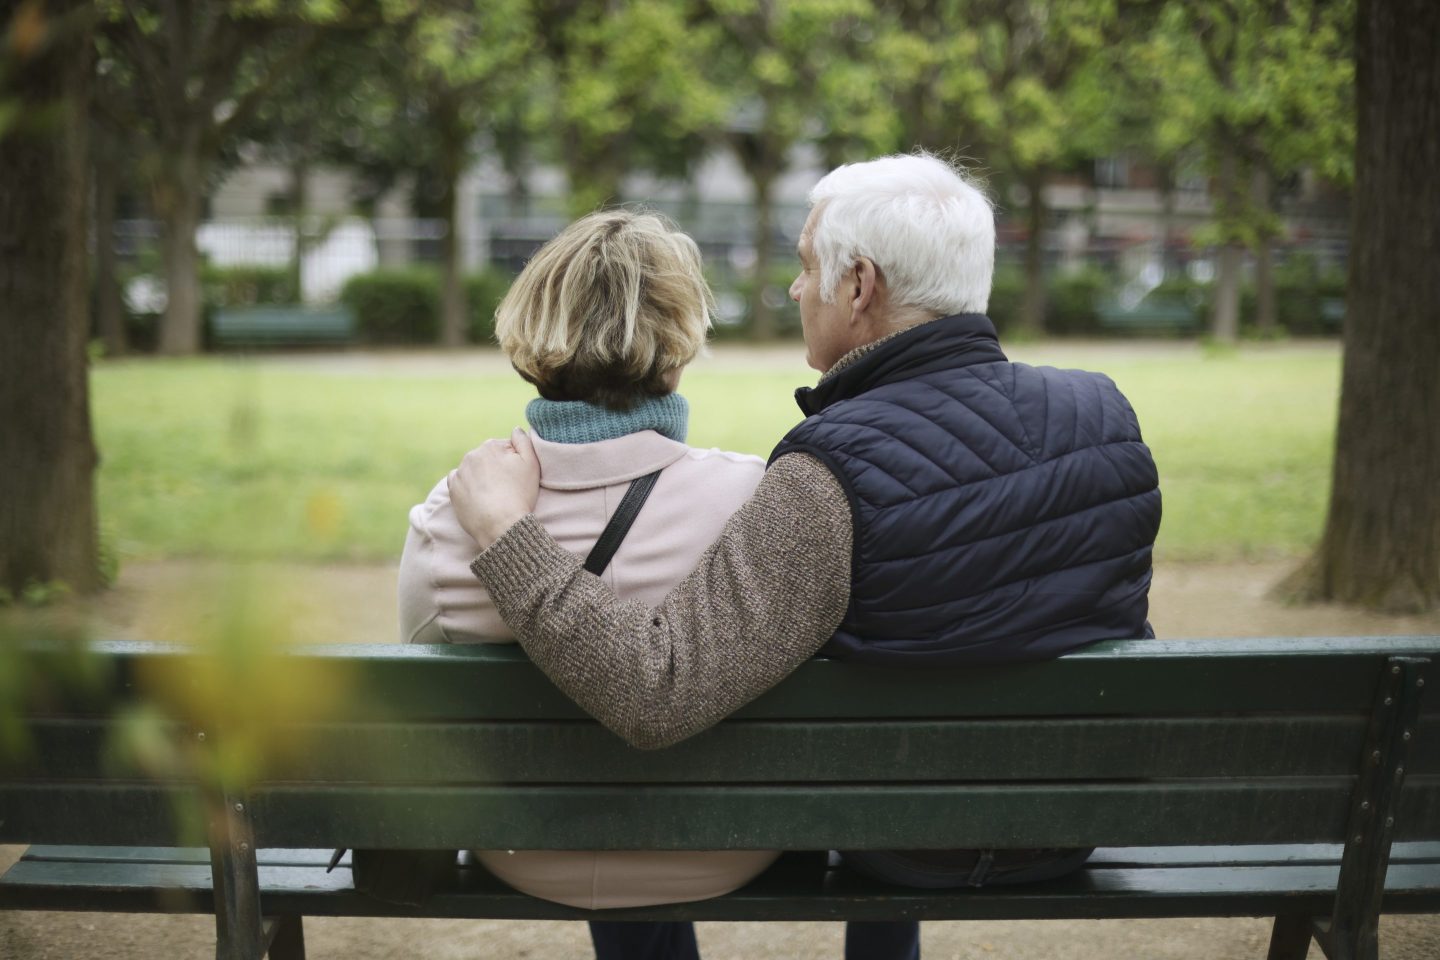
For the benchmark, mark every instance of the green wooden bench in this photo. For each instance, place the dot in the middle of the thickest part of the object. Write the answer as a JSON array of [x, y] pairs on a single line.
[[283, 324], [1172, 314], [1221, 777]]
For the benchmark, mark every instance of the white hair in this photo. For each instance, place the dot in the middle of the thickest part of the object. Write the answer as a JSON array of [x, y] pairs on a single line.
[[927, 227]]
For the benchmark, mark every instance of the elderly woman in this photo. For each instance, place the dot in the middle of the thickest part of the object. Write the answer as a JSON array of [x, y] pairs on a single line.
[[602, 321]]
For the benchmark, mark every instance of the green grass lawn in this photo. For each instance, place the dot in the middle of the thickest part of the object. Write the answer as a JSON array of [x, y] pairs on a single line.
[[276, 459]]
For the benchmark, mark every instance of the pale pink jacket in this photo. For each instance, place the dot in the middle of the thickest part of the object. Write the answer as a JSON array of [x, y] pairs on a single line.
[[580, 487]]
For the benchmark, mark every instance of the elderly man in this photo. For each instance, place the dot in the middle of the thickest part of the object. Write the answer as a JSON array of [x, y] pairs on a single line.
[[938, 503]]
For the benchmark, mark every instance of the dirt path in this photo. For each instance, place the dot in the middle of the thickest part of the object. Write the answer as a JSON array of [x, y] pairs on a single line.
[[357, 604]]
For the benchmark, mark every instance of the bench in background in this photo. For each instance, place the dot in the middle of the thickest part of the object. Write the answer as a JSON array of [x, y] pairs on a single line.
[[1173, 314], [1224, 778], [282, 325]]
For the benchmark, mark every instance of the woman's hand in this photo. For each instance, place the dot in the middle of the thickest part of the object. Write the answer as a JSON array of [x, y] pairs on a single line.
[[494, 486]]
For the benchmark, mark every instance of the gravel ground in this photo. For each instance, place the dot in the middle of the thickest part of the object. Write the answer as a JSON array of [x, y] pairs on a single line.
[[357, 604]]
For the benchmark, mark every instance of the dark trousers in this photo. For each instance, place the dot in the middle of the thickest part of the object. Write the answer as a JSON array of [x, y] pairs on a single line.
[[617, 940], [882, 940], [641, 940]]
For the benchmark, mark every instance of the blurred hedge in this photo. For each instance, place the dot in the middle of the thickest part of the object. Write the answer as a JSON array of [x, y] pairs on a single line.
[[1301, 288], [403, 305], [245, 286], [219, 287], [786, 312], [1070, 300]]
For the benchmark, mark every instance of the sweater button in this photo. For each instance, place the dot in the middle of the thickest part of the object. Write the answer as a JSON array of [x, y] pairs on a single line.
[[655, 622]]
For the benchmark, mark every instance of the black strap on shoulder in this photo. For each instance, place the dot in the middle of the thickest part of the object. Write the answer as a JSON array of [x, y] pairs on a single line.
[[619, 525]]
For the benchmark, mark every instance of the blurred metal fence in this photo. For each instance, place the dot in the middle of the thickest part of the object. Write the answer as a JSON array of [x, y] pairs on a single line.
[[335, 249]]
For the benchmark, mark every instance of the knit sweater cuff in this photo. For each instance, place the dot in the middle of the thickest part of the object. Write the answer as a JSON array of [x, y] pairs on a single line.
[[524, 558]]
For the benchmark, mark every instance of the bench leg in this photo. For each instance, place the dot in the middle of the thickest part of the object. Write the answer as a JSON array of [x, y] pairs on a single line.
[[287, 938], [1290, 937], [239, 928], [1348, 943]]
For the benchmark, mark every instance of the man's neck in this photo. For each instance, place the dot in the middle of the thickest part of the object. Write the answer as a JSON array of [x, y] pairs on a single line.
[[892, 328]]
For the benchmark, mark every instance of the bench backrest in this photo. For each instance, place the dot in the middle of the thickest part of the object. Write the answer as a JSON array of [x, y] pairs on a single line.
[[283, 323], [1126, 743]]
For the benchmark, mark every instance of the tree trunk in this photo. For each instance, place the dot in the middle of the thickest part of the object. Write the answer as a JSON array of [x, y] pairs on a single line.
[[762, 318], [47, 499], [1381, 546], [452, 285], [1225, 305], [109, 309], [1032, 303], [179, 198], [1264, 255]]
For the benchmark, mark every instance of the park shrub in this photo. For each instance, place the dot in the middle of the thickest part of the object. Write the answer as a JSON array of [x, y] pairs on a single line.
[[402, 305], [395, 305], [1302, 288], [777, 291], [483, 293], [1071, 300], [1006, 292], [245, 286]]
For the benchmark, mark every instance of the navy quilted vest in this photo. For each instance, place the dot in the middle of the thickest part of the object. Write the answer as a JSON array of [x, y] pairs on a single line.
[[1002, 512]]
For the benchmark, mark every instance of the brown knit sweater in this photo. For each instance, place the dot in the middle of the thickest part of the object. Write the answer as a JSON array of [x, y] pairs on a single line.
[[764, 598]]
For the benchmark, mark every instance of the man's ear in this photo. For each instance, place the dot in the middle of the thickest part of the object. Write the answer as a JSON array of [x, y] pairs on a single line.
[[866, 284]]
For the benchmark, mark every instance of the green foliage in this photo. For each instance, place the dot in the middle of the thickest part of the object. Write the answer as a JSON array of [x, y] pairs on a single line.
[[244, 286], [1308, 300], [1023, 78], [786, 312], [483, 293], [395, 306], [1267, 83], [403, 305], [37, 593], [1070, 306], [457, 66], [1006, 292], [632, 89]]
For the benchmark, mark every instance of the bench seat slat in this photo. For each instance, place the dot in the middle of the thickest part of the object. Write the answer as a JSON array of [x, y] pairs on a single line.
[[797, 751], [797, 890], [1253, 854], [269, 856], [1263, 854]]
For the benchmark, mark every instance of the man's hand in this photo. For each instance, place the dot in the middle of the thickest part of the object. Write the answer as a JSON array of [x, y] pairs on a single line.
[[494, 486]]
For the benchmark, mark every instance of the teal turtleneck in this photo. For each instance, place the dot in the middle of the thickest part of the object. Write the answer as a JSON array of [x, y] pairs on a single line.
[[575, 421]]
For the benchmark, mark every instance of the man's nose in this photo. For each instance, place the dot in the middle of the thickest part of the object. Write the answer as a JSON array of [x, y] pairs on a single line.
[[795, 288]]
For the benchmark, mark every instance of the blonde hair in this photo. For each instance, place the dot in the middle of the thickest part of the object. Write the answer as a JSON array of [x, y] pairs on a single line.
[[607, 310]]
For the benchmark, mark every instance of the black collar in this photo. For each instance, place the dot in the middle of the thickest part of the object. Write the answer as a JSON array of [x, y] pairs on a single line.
[[947, 343]]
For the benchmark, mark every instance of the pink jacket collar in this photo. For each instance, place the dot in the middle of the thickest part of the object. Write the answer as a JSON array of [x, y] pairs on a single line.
[[583, 466]]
